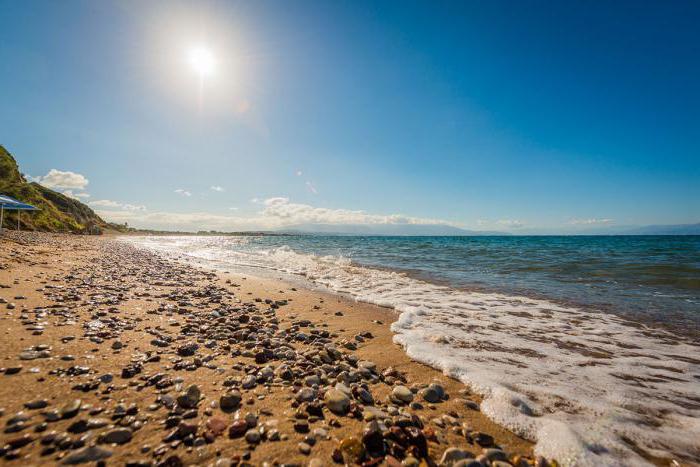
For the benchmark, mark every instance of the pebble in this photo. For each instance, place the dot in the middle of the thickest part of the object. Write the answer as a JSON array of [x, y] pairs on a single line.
[[249, 382], [37, 404], [252, 436], [231, 400], [87, 454], [402, 393], [189, 398], [452, 455], [117, 436], [337, 402], [304, 448], [70, 409]]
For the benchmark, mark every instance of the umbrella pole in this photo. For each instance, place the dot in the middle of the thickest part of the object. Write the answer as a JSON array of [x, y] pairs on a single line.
[[18, 211], [2, 213]]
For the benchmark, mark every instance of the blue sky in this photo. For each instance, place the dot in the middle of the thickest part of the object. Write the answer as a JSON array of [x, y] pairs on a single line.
[[516, 116]]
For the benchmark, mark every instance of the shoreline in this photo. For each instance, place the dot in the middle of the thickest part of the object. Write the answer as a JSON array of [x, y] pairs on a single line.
[[449, 422], [532, 360]]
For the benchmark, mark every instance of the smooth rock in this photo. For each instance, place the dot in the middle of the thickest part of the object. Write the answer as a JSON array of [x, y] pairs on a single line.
[[117, 436], [337, 402], [88, 454], [402, 393], [452, 455]]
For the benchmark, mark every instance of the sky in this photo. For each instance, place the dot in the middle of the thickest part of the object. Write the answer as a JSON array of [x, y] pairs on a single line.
[[526, 116]]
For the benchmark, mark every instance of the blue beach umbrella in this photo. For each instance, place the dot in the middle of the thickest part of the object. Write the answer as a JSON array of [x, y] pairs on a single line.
[[12, 204]]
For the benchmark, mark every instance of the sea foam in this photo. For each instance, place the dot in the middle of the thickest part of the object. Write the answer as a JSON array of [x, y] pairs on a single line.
[[589, 388]]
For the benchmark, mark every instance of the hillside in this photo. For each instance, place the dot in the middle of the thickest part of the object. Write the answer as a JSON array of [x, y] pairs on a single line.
[[58, 213]]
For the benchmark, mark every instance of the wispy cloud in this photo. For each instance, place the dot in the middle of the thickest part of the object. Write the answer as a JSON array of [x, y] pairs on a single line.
[[107, 203], [78, 196], [511, 223], [275, 213], [218, 188], [294, 213], [183, 192], [62, 179], [591, 221]]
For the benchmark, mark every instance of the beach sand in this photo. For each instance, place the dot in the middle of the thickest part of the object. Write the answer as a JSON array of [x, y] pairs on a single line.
[[80, 309]]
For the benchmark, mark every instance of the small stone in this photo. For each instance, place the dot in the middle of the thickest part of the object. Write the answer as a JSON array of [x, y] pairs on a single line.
[[230, 400], [252, 436], [187, 350], [37, 404], [117, 436], [249, 382], [351, 450], [301, 426], [190, 398], [402, 393], [306, 395], [304, 448], [70, 409], [452, 455], [430, 395], [337, 402], [482, 439], [88, 454], [237, 429], [216, 425], [495, 455]]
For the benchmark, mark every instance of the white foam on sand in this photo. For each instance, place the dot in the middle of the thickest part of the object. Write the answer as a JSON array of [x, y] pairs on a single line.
[[589, 388]]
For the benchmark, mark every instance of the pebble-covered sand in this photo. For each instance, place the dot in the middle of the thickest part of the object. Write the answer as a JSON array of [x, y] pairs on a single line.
[[112, 355]]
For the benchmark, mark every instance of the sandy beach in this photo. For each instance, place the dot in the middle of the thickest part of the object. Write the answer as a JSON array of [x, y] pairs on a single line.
[[113, 354]]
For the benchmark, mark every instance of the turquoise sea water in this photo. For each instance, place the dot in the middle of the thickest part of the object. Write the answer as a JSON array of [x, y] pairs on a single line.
[[649, 278]]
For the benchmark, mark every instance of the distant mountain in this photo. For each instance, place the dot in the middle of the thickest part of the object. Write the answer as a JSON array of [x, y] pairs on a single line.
[[58, 212], [383, 229]]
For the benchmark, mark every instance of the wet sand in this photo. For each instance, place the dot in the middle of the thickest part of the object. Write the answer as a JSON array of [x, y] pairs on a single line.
[[149, 346]]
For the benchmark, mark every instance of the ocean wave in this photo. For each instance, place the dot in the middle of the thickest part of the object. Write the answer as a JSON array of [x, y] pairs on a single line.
[[589, 388]]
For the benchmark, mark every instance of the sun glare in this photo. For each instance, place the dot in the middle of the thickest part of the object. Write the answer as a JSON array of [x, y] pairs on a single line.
[[202, 61]]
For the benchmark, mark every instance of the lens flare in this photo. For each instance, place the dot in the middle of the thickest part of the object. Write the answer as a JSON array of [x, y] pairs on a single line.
[[202, 60]]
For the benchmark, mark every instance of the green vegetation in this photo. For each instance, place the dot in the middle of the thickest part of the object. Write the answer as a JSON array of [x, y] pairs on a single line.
[[58, 213]]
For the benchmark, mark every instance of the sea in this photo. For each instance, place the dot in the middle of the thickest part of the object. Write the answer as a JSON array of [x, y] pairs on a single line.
[[587, 345]]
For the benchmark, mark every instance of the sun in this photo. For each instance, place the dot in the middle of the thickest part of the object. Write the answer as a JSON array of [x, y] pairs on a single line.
[[202, 60]]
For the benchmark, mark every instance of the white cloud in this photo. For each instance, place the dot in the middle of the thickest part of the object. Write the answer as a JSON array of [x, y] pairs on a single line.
[[182, 221], [299, 173], [78, 196], [233, 209], [591, 221], [182, 192], [275, 213], [511, 223], [107, 203], [217, 188], [273, 201], [60, 179], [293, 213]]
